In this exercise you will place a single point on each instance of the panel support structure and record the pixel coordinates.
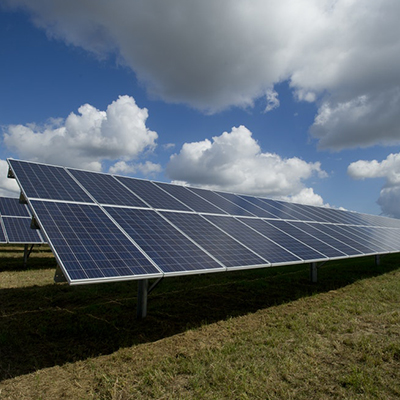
(314, 272)
(143, 291)
(377, 260)
(27, 253)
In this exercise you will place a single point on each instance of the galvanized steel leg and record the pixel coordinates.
(26, 255)
(313, 272)
(377, 260)
(143, 289)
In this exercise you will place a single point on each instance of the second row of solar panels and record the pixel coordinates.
(67, 184)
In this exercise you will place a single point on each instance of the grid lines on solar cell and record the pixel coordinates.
(152, 194)
(169, 248)
(220, 202)
(288, 242)
(248, 206)
(256, 242)
(105, 189)
(217, 243)
(88, 244)
(308, 239)
(48, 182)
(12, 207)
(191, 199)
(326, 238)
(19, 230)
(330, 230)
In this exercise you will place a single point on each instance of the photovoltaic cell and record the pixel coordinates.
(170, 249)
(299, 249)
(192, 200)
(88, 244)
(308, 239)
(12, 207)
(274, 212)
(47, 182)
(19, 231)
(224, 248)
(106, 189)
(152, 194)
(261, 245)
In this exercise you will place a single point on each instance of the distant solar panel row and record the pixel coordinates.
(103, 227)
(15, 222)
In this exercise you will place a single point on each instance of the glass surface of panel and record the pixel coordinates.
(19, 230)
(13, 208)
(291, 210)
(106, 190)
(265, 205)
(169, 248)
(247, 205)
(224, 248)
(88, 244)
(152, 194)
(339, 235)
(226, 205)
(291, 244)
(48, 182)
(308, 239)
(253, 240)
(192, 200)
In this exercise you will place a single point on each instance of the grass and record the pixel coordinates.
(260, 334)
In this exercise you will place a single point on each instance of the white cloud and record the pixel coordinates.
(86, 139)
(234, 162)
(216, 54)
(272, 100)
(389, 169)
(147, 168)
(8, 187)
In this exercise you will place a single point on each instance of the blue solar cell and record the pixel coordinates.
(88, 244)
(247, 205)
(12, 207)
(19, 230)
(170, 249)
(152, 194)
(337, 234)
(47, 182)
(220, 202)
(224, 248)
(262, 203)
(192, 200)
(308, 239)
(291, 244)
(106, 189)
(260, 244)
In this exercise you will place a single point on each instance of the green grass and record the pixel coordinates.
(260, 334)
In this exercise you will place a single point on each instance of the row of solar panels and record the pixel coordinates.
(15, 221)
(103, 227)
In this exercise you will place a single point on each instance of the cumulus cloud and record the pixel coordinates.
(147, 168)
(88, 138)
(216, 54)
(234, 162)
(389, 169)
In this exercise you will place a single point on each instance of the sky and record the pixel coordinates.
(294, 100)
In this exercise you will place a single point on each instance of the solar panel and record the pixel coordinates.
(223, 247)
(106, 189)
(192, 200)
(260, 244)
(152, 195)
(12, 207)
(300, 249)
(2, 235)
(19, 231)
(88, 245)
(47, 182)
(170, 249)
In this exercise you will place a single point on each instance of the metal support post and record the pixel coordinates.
(313, 272)
(26, 255)
(377, 260)
(143, 286)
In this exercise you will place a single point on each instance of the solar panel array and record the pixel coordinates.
(103, 227)
(15, 222)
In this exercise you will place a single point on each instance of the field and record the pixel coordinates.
(261, 334)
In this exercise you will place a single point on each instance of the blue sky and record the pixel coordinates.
(293, 102)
